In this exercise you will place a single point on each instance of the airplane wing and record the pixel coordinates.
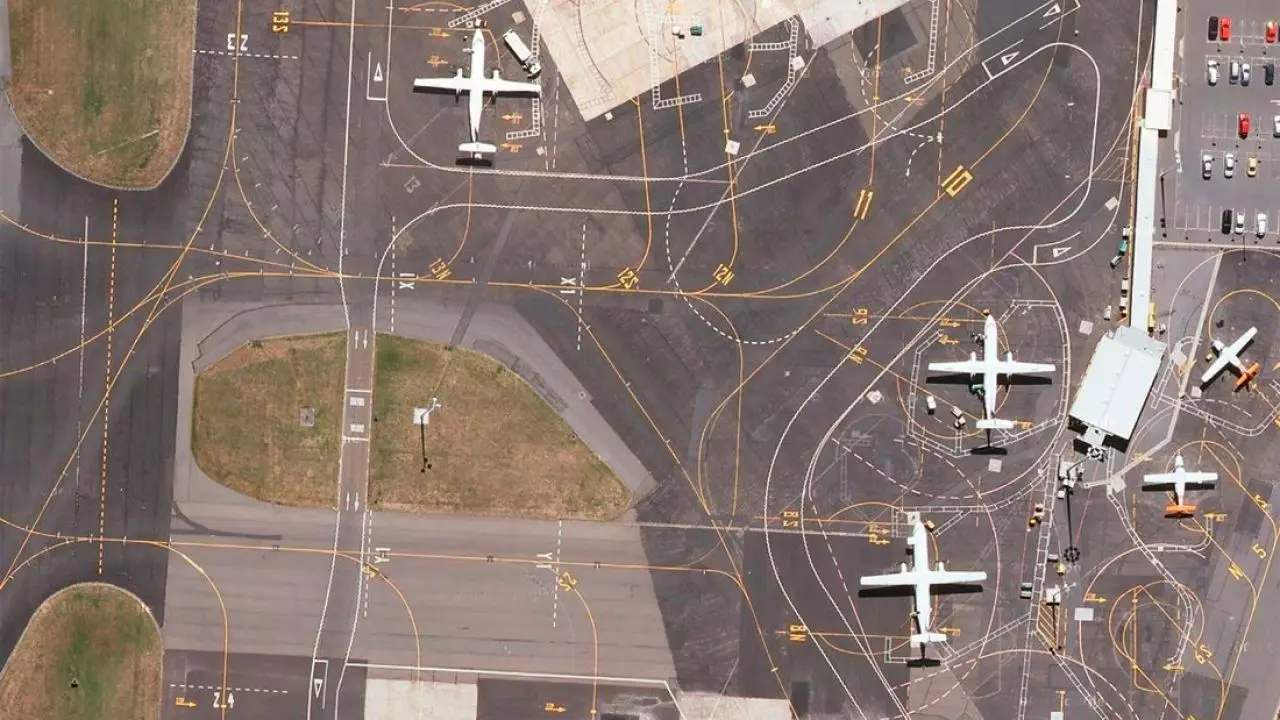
(954, 577)
(1011, 367)
(971, 367)
(451, 84)
(1219, 364)
(897, 579)
(1200, 479)
(1238, 346)
(1163, 480)
(498, 86)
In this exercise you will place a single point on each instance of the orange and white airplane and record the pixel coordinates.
(1230, 355)
(1180, 480)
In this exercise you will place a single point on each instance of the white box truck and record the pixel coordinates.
(522, 53)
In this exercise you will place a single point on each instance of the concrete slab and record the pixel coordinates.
(387, 699)
(609, 52)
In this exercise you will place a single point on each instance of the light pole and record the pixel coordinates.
(1163, 210)
(421, 417)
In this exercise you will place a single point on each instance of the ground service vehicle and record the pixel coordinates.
(522, 53)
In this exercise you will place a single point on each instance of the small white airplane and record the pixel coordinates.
(1230, 355)
(1179, 481)
(922, 578)
(477, 86)
(990, 367)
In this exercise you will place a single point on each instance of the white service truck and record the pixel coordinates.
(522, 53)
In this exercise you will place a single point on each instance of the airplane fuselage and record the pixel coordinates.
(990, 351)
(475, 99)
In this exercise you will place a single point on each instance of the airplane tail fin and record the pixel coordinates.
(1248, 375)
(919, 639)
(477, 148)
(995, 424)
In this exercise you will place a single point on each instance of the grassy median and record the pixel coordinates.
(104, 86)
(247, 430)
(495, 447)
(90, 652)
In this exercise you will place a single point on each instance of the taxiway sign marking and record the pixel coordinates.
(1055, 12)
(1003, 60)
(956, 181)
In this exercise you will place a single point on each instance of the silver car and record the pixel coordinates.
(1206, 166)
(1261, 224)
(1229, 165)
(1239, 223)
(1245, 74)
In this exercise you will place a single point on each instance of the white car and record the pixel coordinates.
(1245, 74)
(1213, 72)
(1234, 72)
(1275, 126)
(1229, 165)
(1262, 224)
(1206, 166)
(1239, 223)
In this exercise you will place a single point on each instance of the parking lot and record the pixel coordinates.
(1208, 124)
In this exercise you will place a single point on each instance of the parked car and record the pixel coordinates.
(1246, 73)
(1213, 72)
(1206, 166)
(1252, 168)
(1260, 224)
(1213, 28)
(1229, 165)
(1275, 125)
(1271, 31)
(1269, 73)
(1224, 29)
(1233, 72)
(1243, 122)
(1239, 223)
(1227, 216)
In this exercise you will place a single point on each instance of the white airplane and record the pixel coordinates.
(990, 367)
(1230, 355)
(477, 86)
(1179, 481)
(922, 578)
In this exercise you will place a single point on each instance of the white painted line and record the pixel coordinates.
(1057, 17)
(374, 75)
(261, 56)
(1005, 59)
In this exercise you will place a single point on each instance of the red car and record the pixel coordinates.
(1224, 29)
(1244, 125)
(1271, 31)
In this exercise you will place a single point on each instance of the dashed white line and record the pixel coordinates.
(263, 56)
(582, 281)
(218, 688)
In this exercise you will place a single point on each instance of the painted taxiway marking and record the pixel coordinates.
(1002, 61)
(264, 56)
(184, 686)
(956, 181)
(1059, 10)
